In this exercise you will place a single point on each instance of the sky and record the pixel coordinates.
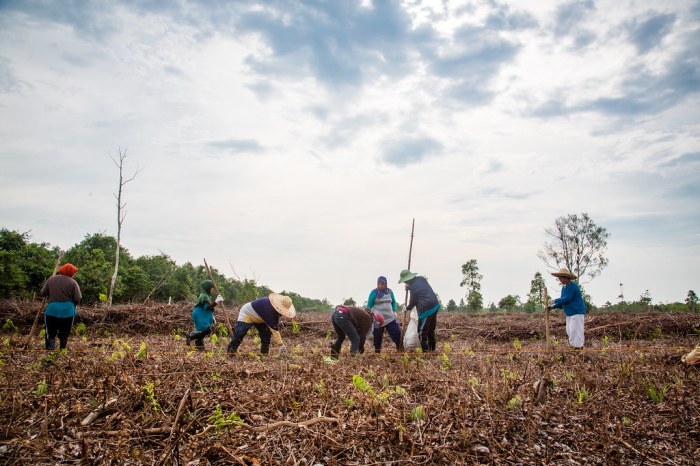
(294, 142)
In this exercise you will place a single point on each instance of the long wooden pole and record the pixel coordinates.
(43, 302)
(216, 289)
(548, 338)
(410, 251)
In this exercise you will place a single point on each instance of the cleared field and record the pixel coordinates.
(127, 397)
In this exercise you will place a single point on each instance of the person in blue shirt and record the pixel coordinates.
(203, 314)
(382, 302)
(424, 299)
(571, 301)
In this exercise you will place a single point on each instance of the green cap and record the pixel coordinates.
(406, 275)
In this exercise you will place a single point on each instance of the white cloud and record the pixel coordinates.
(297, 141)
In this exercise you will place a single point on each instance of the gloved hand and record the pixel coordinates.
(551, 303)
(219, 299)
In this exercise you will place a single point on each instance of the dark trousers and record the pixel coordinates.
(241, 331)
(426, 329)
(343, 326)
(198, 337)
(60, 326)
(394, 331)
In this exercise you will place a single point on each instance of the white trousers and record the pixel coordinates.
(574, 330)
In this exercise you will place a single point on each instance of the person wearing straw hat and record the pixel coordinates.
(263, 314)
(571, 301)
(383, 304)
(203, 314)
(424, 299)
(63, 295)
(354, 323)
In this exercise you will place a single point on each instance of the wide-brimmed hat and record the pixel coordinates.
(564, 272)
(406, 275)
(283, 304)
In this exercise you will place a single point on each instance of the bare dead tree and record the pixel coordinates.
(121, 213)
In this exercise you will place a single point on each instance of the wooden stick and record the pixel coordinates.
(548, 337)
(216, 289)
(43, 302)
(410, 250)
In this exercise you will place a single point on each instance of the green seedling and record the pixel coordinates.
(446, 363)
(42, 388)
(214, 339)
(150, 396)
(626, 421)
(222, 330)
(362, 385)
(514, 402)
(81, 329)
(474, 381)
(582, 394)
(224, 422)
(9, 326)
(295, 327)
(657, 395)
(516, 344)
(418, 414)
(348, 401)
(143, 351)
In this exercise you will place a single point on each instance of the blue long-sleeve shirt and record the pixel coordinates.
(571, 300)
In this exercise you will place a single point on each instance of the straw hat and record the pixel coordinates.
(564, 272)
(406, 275)
(283, 305)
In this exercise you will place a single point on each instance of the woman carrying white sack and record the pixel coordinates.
(571, 301)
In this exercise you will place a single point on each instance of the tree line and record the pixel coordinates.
(25, 266)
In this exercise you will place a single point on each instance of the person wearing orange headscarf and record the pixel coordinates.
(63, 294)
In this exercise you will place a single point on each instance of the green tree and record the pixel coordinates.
(692, 301)
(349, 302)
(471, 278)
(509, 302)
(451, 305)
(534, 301)
(578, 244)
(24, 266)
(93, 258)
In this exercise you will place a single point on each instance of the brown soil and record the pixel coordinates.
(625, 399)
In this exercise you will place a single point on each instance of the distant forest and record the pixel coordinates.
(26, 265)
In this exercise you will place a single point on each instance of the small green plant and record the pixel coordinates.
(657, 394)
(418, 414)
(446, 363)
(295, 327)
(626, 421)
(143, 351)
(221, 422)
(42, 333)
(514, 402)
(348, 401)
(222, 330)
(121, 348)
(42, 388)
(474, 381)
(605, 340)
(214, 339)
(321, 387)
(569, 376)
(385, 382)
(81, 329)
(362, 385)
(516, 344)
(9, 326)
(150, 396)
(507, 375)
(103, 298)
(400, 390)
(447, 348)
(582, 394)
(656, 334)
(52, 357)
